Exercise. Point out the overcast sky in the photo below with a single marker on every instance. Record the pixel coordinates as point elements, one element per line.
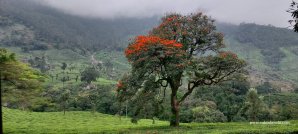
<point>233,11</point>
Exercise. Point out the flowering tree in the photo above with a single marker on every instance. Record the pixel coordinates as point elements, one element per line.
<point>181,54</point>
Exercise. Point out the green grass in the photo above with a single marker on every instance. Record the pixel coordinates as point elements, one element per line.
<point>16,121</point>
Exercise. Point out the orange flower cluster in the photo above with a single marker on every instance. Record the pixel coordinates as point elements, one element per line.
<point>119,85</point>
<point>227,54</point>
<point>172,18</point>
<point>168,21</point>
<point>142,43</point>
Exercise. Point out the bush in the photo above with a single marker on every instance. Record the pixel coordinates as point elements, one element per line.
<point>205,114</point>
<point>266,88</point>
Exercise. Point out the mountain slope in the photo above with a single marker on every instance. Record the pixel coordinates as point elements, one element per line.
<point>272,53</point>
<point>61,30</point>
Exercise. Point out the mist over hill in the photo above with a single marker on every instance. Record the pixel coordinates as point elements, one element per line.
<point>60,30</point>
<point>271,52</point>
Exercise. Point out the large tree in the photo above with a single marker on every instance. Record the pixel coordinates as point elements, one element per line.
<point>19,83</point>
<point>181,54</point>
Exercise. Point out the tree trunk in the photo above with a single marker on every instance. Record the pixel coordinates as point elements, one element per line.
<point>1,102</point>
<point>64,107</point>
<point>153,120</point>
<point>175,109</point>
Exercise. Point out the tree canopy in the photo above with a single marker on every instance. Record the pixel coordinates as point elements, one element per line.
<point>20,84</point>
<point>89,74</point>
<point>181,54</point>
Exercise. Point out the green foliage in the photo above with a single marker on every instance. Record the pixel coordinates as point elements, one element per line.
<point>20,84</point>
<point>89,74</point>
<point>266,88</point>
<point>76,63</point>
<point>146,103</point>
<point>81,97</point>
<point>5,56</point>
<point>64,97</point>
<point>206,114</point>
<point>228,98</point>
<point>253,105</point>
<point>282,106</point>
<point>181,47</point>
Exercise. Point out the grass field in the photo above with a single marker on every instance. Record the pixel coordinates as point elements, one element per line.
<point>16,121</point>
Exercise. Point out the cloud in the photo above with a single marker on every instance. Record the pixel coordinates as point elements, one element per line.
<point>233,11</point>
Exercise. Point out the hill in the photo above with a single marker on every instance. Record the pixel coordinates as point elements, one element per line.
<point>16,121</point>
<point>270,51</point>
<point>46,27</point>
<point>34,30</point>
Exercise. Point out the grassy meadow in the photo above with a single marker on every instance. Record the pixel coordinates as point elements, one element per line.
<point>17,121</point>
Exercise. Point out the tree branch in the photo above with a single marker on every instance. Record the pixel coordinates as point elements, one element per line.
<point>160,82</point>
<point>190,90</point>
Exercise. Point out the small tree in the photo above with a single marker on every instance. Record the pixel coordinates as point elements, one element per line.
<point>253,104</point>
<point>64,98</point>
<point>64,94</point>
<point>89,74</point>
<point>181,54</point>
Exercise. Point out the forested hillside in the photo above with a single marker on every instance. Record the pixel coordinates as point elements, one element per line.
<point>272,52</point>
<point>78,61</point>
<point>33,26</point>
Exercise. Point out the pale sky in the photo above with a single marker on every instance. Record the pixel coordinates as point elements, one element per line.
<point>232,11</point>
